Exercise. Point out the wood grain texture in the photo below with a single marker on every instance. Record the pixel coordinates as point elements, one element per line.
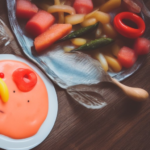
<point>122,125</point>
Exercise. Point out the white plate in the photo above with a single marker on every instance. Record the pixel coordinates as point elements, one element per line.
<point>29,143</point>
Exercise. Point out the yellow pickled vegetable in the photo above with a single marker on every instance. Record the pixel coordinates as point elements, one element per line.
<point>90,15</point>
<point>78,41</point>
<point>60,14</point>
<point>100,57</point>
<point>113,62</point>
<point>68,48</point>
<point>99,16</point>
<point>74,19</point>
<point>61,17</point>
<point>61,8</point>
<point>43,6</point>
<point>104,36</point>
<point>110,5</point>
<point>98,33</point>
<point>115,49</point>
<point>109,30</point>
<point>88,22</point>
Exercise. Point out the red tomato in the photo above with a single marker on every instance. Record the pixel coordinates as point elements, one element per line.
<point>127,57</point>
<point>83,6</point>
<point>25,9</point>
<point>142,46</point>
<point>25,79</point>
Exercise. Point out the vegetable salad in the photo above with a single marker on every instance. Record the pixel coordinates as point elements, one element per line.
<point>55,21</point>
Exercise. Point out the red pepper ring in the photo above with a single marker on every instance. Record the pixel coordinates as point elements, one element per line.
<point>127,31</point>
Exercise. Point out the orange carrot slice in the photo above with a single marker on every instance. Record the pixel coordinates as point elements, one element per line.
<point>50,36</point>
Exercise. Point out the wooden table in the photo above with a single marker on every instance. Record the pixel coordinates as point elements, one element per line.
<point>122,125</point>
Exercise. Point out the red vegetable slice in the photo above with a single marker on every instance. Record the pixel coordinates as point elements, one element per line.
<point>83,6</point>
<point>50,36</point>
<point>39,23</point>
<point>25,79</point>
<point>127,57</point>
<point>25,9</point>
<point>142,46</point>
<point>132,6</point>
<point>128,31</point>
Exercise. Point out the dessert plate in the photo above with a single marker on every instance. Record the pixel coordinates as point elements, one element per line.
<point>45,129</point>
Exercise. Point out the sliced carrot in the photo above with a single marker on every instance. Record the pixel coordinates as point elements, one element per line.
<point>51,35</point>
<point>39,23</point>
<point>25,9</point>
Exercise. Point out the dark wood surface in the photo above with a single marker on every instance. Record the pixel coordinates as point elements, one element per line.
<point>122,125</point>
